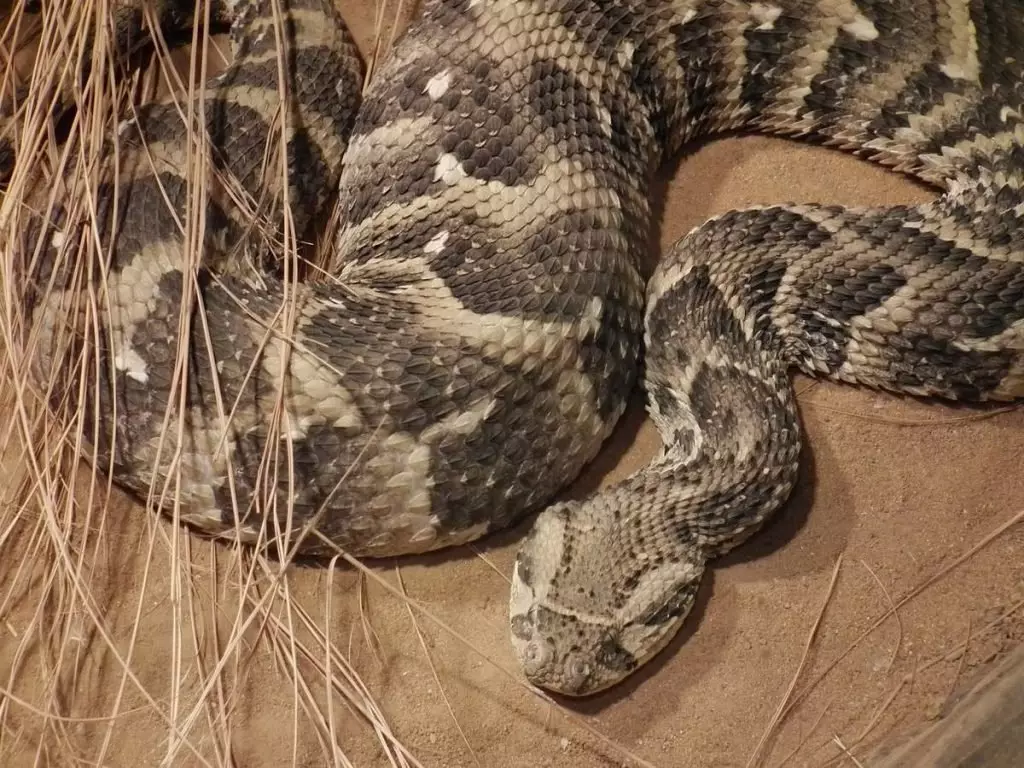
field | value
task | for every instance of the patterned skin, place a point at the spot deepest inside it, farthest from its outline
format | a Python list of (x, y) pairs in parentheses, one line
[(479, 325)]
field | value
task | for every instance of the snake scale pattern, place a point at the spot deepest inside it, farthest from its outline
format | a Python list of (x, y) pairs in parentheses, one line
[(479, 324)]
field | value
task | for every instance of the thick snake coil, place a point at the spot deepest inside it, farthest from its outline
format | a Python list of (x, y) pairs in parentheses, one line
[(479, 328)]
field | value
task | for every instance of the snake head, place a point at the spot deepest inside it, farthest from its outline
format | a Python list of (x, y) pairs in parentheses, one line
[(591, 602)]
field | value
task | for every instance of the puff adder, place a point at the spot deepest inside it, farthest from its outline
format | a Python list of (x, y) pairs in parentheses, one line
[(478, 327)]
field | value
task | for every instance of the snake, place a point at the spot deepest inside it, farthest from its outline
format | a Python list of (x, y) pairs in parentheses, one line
[(482, 302)]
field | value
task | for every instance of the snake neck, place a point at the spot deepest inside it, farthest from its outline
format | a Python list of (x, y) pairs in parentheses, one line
[(722, 402)]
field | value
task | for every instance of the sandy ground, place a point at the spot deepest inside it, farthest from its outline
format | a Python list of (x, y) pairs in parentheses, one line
[(893, 491)]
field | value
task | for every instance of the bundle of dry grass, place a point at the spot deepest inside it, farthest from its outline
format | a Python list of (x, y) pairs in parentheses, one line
[(87, 591), (128, 640)]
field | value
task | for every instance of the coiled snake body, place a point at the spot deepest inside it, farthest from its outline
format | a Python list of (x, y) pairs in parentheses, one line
[(478, 327)]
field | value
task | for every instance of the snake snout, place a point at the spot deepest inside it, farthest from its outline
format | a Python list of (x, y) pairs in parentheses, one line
[(543, 663), (542, 666)]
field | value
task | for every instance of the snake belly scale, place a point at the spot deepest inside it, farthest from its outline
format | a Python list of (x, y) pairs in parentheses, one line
[(478, 327)]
